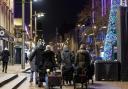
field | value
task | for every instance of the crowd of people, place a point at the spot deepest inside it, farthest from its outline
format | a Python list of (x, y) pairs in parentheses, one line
[(44, 60)]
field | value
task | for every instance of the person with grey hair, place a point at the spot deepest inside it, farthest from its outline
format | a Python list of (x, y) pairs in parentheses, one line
[(49, 58), (5, 58), (49, 62)]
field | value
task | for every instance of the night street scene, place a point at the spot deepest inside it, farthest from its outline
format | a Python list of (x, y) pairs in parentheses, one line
[(63, 44)]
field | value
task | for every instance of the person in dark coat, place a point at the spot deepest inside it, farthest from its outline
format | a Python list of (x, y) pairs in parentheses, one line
[(49, 62), (67, 68), (5, 58), (82, 60), (26, 58), (39, 58)]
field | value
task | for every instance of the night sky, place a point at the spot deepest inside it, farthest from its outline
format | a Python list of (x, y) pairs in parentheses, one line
[(61, 14)]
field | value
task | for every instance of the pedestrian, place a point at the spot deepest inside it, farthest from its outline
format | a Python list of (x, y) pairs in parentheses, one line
[(49, 62), (82, 60), (67, 68), (5, 58), (38, 54), (26, 58)]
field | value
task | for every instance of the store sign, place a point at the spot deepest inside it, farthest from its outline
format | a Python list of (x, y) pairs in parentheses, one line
[(2, 33)]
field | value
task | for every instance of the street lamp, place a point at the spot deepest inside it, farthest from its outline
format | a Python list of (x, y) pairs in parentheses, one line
[(23, 37), (35, 0), (37, 15), (31, 22)]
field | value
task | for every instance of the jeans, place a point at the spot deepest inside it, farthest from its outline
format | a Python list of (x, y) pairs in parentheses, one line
[(5, 64), (32, 74)]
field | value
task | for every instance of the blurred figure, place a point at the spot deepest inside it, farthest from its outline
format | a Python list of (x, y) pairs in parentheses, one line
[(67, 68), (49, 62), (82, 60), (5, 58), (26, 58), (33, 70), (58, 56), (39, 58)]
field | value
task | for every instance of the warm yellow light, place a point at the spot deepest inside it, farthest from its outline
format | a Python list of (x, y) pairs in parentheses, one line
[(94, 27)]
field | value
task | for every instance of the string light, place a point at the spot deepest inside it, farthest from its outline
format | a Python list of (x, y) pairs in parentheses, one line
[(111, 37)]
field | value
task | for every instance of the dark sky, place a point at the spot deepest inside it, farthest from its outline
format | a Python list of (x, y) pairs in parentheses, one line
[(61, 14)]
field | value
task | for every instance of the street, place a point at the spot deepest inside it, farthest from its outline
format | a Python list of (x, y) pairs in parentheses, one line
[(16, 69)]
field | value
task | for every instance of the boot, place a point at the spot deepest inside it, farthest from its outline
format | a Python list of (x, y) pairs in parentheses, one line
[(40, 84), (31, 80)]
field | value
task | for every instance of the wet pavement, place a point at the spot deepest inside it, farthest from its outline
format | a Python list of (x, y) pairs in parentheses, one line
[(16, 69)]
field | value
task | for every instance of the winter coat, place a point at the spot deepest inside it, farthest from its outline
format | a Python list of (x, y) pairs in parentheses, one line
[(38, 54), (66, 58), (5, 55), (82, 59), (49, 62), (33, 65)]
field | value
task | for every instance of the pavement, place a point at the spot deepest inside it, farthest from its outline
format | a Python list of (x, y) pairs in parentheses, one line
[(14, 69)]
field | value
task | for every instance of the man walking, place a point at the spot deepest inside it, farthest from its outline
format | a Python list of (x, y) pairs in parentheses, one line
[(5, 57), (37, 55)]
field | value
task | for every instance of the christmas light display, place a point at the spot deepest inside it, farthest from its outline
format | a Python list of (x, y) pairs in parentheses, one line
[(111, 37)]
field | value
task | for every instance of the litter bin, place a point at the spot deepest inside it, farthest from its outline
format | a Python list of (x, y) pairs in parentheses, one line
[(107, 70)]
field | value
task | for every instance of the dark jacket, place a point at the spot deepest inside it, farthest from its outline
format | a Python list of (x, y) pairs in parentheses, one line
[(5, 55), (82, 58), (49, 62), (66, 58), (38, 54)]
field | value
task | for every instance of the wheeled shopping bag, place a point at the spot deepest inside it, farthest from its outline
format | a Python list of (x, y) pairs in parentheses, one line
[(54, 80)]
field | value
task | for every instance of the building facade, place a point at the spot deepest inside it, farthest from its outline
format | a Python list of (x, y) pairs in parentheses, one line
[(92, 24), (7, 25)]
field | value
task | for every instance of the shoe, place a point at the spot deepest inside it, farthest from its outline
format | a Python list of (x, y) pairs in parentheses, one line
[(40, 85), (5, 71), (36, 82), (70, 83), (31, 80)]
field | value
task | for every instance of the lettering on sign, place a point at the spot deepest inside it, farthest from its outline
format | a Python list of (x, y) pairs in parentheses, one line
[(2, 33)]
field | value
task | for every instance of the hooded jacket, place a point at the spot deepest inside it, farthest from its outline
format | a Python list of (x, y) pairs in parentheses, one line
[(38, 54), (82, 58), (66, 57)]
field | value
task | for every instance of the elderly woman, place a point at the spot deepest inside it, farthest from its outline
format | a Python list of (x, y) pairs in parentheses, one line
[(49, 62)]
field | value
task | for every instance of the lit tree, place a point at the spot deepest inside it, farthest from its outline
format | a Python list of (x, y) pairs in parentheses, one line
[(111, 37)]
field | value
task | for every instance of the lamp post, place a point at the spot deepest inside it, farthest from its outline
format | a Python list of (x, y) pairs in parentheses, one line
[(94, 34), (23, 38), (30, 24), (35, 29), (37, 15)]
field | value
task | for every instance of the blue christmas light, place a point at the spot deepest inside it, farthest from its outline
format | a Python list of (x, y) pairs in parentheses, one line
[(111, 37)]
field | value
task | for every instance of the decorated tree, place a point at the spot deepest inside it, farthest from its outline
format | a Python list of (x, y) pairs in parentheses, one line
[(111, 37)]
